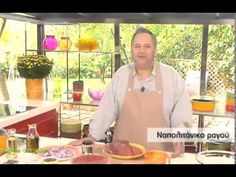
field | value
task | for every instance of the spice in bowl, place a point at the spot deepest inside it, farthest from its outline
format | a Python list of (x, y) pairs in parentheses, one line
[(50, 160)]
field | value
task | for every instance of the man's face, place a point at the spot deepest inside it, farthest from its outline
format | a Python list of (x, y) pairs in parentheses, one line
[(143, 51)]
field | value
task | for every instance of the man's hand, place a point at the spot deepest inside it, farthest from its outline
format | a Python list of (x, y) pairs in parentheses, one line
[(178, 149)]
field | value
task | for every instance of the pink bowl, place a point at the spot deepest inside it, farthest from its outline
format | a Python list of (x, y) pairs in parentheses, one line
[(96, 94)]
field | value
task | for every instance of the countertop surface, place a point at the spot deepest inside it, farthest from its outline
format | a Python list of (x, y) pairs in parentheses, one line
[(28, 158), (186, 158), (40, 107)]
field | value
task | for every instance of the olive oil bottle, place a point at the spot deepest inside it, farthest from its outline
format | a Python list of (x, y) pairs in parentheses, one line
[(12, 144), (32, 139)]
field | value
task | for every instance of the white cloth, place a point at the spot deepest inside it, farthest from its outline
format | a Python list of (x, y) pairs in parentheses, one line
[(176, 100)]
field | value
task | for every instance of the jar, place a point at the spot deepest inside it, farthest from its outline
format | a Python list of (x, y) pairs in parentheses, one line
[(12, 144), (50, 43), (32, 139), (87, 146), (229, 106), (3, 140), (65, 44), (77, 96)]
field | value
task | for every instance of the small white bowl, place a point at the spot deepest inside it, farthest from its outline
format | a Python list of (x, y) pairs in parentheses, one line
[(26, 157)]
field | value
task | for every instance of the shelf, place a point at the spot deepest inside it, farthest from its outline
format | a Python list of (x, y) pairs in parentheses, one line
[(73, 51), (109, 53), (83, 103), (215, 114), (218, 112)]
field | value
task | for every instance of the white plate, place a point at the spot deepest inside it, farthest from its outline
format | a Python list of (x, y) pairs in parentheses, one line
[(74, 151), (26, 158), (216, 157)]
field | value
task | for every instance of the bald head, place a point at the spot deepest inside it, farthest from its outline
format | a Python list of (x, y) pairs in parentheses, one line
[(144, 30)]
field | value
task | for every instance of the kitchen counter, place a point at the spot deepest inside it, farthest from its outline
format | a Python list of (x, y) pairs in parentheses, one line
[(187, 158), (40, 107)]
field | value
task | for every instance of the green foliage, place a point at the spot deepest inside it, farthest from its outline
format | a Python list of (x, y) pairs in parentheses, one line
[(221, 47), (221, 42), (179, 42), (58, 72), (227, 73), (4, 68)]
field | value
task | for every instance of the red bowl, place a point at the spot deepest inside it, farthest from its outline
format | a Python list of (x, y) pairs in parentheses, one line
[(96, 94), (91, 159)]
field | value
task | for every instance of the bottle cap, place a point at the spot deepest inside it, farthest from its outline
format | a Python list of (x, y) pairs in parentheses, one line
[(87, 142)]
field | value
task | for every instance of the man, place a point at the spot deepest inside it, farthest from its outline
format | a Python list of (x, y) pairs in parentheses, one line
[(143, 94)]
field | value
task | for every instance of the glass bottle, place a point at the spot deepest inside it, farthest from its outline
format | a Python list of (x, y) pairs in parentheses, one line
[(87, 146), (32, 139), (12, 144)]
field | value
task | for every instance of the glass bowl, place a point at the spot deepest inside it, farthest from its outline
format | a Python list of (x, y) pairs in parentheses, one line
[(157, 157), (95, 94), (215, 157)]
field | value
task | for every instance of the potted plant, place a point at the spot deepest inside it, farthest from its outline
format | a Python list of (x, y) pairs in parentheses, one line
[(34, 68)]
